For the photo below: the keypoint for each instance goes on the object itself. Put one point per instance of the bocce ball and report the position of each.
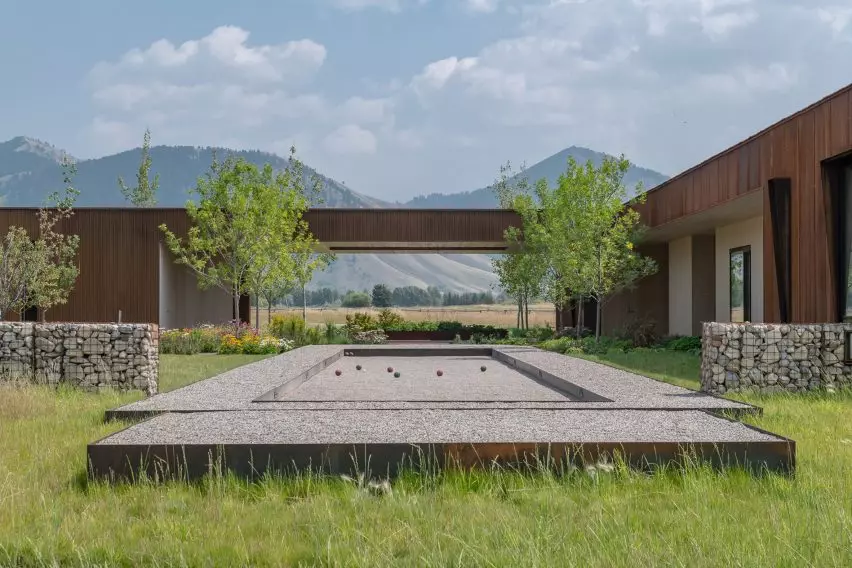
(338, 372)
(358, 367)
(396, 374)
(390, 369)
(482, 368)
(440, 373)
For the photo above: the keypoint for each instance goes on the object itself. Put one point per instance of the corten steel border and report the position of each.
(128, 462)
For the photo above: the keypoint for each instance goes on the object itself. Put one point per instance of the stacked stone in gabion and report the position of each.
(88, 356)
(16, 349)
(773, 357)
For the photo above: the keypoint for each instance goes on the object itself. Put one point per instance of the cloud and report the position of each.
(387, 5)
(668, 82)
(226, 50)
(658, 79)
(351, 139)
(224, 88)
(482, 6)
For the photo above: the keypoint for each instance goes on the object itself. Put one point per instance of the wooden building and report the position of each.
(759, 232)
(127, 272)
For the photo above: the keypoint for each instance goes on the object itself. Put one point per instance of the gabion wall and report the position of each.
(773, 357)
(83, 355)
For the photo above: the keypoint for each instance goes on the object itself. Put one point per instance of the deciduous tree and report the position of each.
(587, 228)
(521, 274)
(41, 271)
(245, 228)
(145, 192)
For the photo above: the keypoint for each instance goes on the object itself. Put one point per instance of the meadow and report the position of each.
(50, 514)
(500, 315)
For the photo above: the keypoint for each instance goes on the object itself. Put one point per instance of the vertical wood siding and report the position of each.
(793, 148)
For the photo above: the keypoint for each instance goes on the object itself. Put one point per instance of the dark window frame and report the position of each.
(746, 252)
(780, 210)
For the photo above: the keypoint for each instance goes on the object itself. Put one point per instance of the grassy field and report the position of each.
(498, 315)
(50, 514)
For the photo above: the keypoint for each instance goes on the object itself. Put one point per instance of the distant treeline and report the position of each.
(382, 296)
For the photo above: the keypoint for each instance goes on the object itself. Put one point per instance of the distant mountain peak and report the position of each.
(34, 146)
(550, 168)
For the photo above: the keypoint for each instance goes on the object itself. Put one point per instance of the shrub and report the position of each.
(682, 343)
(533, 334)
(287, 327)
(331, 332)
(573, 334)
(413, 326)
(449, 326)
(312, 336)
(359, 322)
(373, 336)
(203, 339)
(388, 319)
(559, 345)
(640, 333)
(356, 300)
(589, 346)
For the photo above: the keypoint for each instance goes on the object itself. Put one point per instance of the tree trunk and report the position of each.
(578, 312)
(268, 311)
(527, 313)
(236, 306)
(304, 306)
(518, 318)
(597, 319)
(257, 313)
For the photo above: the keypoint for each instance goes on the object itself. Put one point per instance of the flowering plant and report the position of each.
(253, 344)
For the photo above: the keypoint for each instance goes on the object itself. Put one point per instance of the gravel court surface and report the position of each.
(435, 426)
(237, 389)
(462, 380)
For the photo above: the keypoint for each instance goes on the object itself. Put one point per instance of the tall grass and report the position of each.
(50, 514)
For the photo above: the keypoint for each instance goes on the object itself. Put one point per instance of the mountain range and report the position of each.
(30, 169)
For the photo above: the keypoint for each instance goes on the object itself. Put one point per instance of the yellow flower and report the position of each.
(630, 245)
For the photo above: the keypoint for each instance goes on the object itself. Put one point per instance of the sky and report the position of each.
(398, 98)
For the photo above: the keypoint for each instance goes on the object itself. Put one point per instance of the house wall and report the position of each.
(749, 232)
(647, 302)
(182, 303)
(703, 281)
(797, 148)
(680, 286)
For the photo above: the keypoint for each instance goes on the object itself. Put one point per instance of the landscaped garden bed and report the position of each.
(227, 339)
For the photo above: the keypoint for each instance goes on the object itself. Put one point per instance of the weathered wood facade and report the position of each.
(797, 148)
(119, 255)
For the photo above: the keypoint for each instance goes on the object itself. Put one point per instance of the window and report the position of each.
(740, 271)
(779, 209)
(845, 183)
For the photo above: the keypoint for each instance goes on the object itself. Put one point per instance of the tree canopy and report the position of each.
(144, 194)
(579, 235)
(247, 233)
(41, 271)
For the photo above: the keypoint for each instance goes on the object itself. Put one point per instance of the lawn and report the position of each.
(50, 514)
